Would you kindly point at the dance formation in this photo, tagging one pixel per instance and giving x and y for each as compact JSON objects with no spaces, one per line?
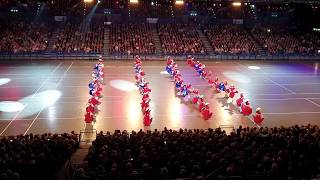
{"x":186,"y":91}
{"x":144,"y":91}
{"x":223,"y":87}
{"x":95,"y":92}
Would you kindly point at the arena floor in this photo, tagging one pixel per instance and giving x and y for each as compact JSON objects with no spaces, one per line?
{"x":50,"y":96}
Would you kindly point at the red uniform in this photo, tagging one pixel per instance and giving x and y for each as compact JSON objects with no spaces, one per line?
{"x":195,"y":100}
{"x":137,"y":60}
{"x":202,"y":104}
{"x":97,"y":94}
{"x":258,"y":117}
{"x":145,"y":97}
{"x":246,"y":109}
{"x":147,"y":118}
{"x":232,"y":92}
{"x":90,"y":108}
{"x":204,"y":74}
{"x":94,"y":101}
{"x":146,"y":89}
{"x":169,"y":61}
{"x":206,"y":114}
{"x":88,"y":117}
{"x":190,"y":62}
{"x":239,"y":101}
{"x":144,"y":106}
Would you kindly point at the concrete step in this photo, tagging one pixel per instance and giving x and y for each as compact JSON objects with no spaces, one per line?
{"x":156,"y":39}
{"x":52,"y":40}
{"x":256,"y":42}
{"x":205,"y":41}
{"x":106,"y":41}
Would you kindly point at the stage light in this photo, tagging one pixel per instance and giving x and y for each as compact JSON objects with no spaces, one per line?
{"x":254,"y":67}
{"x":10,"y":106}
{"x":4,"y":81}
{"x":38,"y":102}
{"x":152,"y":3}
{"x":134,"y":1}
{"x":123,"y":85}
{"x":236,"y":4}
{"x":30,"y":105}
{"x":179,"y":2}
{"x":99,"y":1}
{"x":87,"y":1}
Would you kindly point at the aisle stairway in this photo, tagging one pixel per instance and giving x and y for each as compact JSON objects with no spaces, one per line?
{"x":52,"y":40}
{"x":157,"y":41}
{"x":106,"y":41}
{"x":205,"y":41}
{"x":259,"y":46}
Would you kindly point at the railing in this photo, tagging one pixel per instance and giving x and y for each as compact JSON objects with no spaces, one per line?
{"x":94,"y":56}
{"x":87,"y":136}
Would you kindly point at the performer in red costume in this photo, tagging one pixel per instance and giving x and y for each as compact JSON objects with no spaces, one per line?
{"x":145,"y":105}
{"x":195,"y":98}
{"x":202,"y":104}
{"x":169,"y":61}
{"x":147,"y":118}
{"x":204,"y":74}
{"x":88,"y":117}
{"x":90,"y":108}
{"x":146,"y":89}
{"x":94,"y":101}
{"x":137,"y":60}
{"x":239,"y":101}
{"x":258,"y":117}
{"x":206,"y":113}
{"x":232,"y":92}
{"x":246,"y":109}
{"x":190,"y":60}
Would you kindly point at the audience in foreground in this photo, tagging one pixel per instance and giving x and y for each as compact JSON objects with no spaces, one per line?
{"x":33,"y":157}
{"x":259,"y":153}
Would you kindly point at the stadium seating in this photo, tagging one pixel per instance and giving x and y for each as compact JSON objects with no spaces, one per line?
{"x":131,"y":39}
{"x":230,"y":39}
{"x":180,"y":39}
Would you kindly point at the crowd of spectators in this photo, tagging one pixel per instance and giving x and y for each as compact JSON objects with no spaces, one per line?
{"x":230,"y":39}
{"x":280,"y":40}
{"x":260,"y":153}
{"x":276,"y":40}
{"x":74,"y":39}
{"x":310,"y":42}
{"x":34,"y":156}
{"x":131,"y":39}
{"x":180,"y":39}
{"x":21,"y":37}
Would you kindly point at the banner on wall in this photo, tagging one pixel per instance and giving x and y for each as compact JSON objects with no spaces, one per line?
{"x":60,"y":18}
{"x":152,"y":20}
{"x":237,"y":21}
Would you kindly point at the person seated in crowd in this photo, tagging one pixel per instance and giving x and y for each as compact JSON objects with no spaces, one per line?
{"x":180,"y":39}
{"x":131,"y":39}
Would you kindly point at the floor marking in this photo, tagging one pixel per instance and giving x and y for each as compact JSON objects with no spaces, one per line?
{"x":56,"y":68}
{"x":314,"y":103}
{"x":291,"y":113}
{"x":283,"y":87}
{"x":65,"y":72}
